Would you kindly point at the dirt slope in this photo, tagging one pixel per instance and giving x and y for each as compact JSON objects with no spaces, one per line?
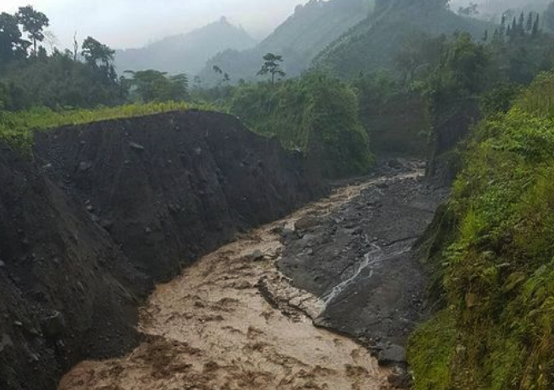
{"x":105,"y":210}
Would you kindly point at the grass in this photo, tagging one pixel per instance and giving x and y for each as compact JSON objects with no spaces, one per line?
{"x":432,"y":365}
{"x":16,"y":128}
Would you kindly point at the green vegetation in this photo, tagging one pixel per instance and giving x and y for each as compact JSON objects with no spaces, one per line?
{"x":431,"y":370}
{"x":31,"y":78}
{"x":17,"y":128}
{"x":498,"y":266}
{"x":82,"y":78}
{"x":150,"y":86}
{"x":397,"y":120}
{"x":316,"y":114}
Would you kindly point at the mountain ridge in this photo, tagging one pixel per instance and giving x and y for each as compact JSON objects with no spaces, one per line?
{"x":298,"y":39}
{"x":185,"y":53}
{"x":363,"y":48}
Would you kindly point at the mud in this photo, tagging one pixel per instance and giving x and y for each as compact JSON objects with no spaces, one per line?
{"x":233,"y":321}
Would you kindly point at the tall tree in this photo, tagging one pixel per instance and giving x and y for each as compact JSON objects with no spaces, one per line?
{"x":10,"y":38}
{"x":521,"y":24}
{"x":529,"y":25}
{"x":272,"y":66}
{"x":95,"y":52}
{"x":536,"y":25}
{"x":34,"y":23}
{"x":549,"y":16}
{"x":502,"y":30}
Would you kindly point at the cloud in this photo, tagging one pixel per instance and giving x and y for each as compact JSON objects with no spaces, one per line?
{"x":129,"y":23}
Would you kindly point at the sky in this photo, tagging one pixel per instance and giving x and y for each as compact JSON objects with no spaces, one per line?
{"x":133,"y":23}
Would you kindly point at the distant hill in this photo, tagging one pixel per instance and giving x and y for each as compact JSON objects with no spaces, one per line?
{"x":375,"y":42}
{"x":299,"y":39}
{"x":185,"y":53}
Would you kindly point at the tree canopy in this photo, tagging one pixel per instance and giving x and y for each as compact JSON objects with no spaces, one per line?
{"x":272,"y":66}
{"x":34,"y":22}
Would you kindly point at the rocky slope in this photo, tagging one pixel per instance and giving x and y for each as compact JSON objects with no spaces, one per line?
{"x":360,"y":260}
{"x":105,"y":210}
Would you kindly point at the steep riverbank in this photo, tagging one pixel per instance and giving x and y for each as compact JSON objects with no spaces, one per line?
{"x":104,"y":211}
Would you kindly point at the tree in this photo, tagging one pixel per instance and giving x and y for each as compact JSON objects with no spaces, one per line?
{"x":217,"y":69}
{"x":75,"y":52}
{"x":271,"y":66}
{"x":549,"y":16}
{"x":95,"y":52}
{"x":153,"y":86}
{"x":521,"y":24}
{"x":502,"y":30}
{"x":529,"y":25}
{"x":536,"y":25}
{"x":419,"y":54}
{"x":10,"y":39}
{"x":225,"y":76}
{"x":179,"y":87}
{"x":461,"y":73}
{"x":34,"y":23}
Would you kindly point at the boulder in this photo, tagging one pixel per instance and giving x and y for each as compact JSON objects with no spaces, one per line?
{"x":395,"y":354}
{"x":53,"y":326}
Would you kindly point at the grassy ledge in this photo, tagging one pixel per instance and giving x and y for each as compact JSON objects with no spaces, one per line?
{"x":16,"y":128}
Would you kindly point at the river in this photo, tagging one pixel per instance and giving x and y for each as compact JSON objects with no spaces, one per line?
{"x":213,"y":328}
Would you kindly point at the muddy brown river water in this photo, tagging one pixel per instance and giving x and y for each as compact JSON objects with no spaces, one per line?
{"x":212,"y":328}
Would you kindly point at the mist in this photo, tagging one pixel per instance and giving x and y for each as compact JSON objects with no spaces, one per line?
{"x":491,"y":7}
{"x":133,"y":23}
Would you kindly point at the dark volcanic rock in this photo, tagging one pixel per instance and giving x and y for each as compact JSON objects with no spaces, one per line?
{"x":85,"y":240}
{"x":359,"y":261}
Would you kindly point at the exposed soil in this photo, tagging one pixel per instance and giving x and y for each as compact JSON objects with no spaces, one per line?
{"x":103,"y":212}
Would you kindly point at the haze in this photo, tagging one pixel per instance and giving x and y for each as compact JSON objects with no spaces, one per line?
{"x":495,"y":5}
{"x":132,"y":23}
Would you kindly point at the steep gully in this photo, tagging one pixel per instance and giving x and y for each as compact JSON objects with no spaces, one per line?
{"x":104,"y":212}
{"x":243,"y":316}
